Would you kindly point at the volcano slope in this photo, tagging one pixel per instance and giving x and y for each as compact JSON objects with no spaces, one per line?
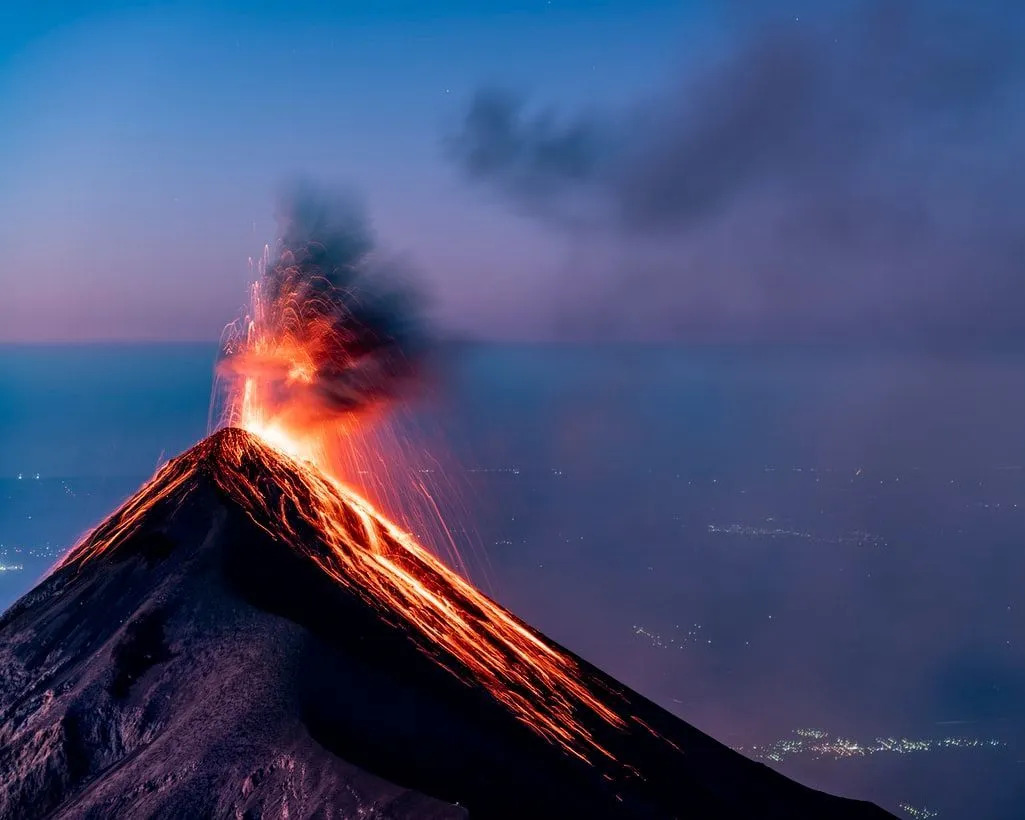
{"x":203,"y":654}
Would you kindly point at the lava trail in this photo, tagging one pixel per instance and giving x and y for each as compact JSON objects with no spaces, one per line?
{"x":374,"y":558}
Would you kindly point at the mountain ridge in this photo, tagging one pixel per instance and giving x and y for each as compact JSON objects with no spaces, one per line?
{"x":187,"y":656}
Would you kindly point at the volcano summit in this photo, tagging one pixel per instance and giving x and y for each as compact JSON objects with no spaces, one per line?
{"x":246,"y":637}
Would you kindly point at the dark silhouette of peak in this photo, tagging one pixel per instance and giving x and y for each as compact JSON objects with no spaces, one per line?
{"x":242,"y":639}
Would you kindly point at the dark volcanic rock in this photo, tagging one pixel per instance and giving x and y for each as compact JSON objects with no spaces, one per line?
{"x":203,"y":668}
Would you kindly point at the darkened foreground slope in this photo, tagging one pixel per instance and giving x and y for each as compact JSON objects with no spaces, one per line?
{"x":196,"y":658}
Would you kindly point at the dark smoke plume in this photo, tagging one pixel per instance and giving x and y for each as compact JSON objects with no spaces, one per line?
{"x":858,"y":168}
{"x":336,"y":329}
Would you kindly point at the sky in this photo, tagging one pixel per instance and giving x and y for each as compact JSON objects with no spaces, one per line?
{"x":627,"y":170}
{"x":144,"y":144}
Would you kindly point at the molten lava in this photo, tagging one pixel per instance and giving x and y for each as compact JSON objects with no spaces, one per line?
{"x":377,"y":560}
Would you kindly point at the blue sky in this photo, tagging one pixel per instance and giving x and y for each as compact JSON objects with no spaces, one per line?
{"x":143,"y":144}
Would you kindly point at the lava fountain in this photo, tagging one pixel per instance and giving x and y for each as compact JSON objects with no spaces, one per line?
{"x":331,"y":338}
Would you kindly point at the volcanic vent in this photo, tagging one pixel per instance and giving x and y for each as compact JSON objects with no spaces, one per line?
{"x":246,"y":637}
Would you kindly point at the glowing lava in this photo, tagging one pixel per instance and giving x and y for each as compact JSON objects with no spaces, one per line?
{"x":363,"y":551}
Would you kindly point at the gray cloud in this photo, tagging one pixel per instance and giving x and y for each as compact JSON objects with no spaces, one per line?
{"x":823,"y":178}
{"x":542,"y":161}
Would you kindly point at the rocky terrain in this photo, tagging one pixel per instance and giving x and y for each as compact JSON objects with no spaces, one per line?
{"x":202,"y":667}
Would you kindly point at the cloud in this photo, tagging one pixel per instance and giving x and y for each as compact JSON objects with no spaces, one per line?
{"x":832,"y":176}
{"x":540,"y":161}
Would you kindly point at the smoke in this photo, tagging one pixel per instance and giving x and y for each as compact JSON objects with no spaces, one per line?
{"x":856,"y":167}
{"x":335,"y":327}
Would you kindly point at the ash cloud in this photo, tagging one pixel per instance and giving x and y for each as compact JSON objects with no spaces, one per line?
{"x":541,"y":161}
{"x":331,"y":302}
{"x":841,"y":172}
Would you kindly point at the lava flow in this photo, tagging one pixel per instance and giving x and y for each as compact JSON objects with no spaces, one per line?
{"x":373,"y":557}
{"x":306,"y":373}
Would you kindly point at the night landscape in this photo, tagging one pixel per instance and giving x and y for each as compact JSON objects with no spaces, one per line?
{"x":535,"y":410}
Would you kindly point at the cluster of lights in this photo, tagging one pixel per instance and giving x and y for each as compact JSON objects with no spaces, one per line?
{"x":678,"y":641}
{"x":817,"y":743}
{"x":857,"y":537}
{"x":916,"y":813}
{"x":46,"y":551}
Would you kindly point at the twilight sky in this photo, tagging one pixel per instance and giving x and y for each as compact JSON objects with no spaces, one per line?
{"x":634,"y":169}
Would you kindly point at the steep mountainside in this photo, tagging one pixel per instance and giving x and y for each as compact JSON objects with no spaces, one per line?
{"x":205,"y":654}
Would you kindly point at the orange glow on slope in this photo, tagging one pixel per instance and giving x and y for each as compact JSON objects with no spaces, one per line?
{"x":374,"y":558}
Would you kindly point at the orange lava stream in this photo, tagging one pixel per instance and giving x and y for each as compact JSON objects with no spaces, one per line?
{"x":387,"y":567}
{"x":374,"y":558}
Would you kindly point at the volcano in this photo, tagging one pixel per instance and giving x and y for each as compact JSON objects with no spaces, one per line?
{"x":246,"y":638}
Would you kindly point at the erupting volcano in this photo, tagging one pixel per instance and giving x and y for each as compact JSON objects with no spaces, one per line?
{"x":250,"y":636}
